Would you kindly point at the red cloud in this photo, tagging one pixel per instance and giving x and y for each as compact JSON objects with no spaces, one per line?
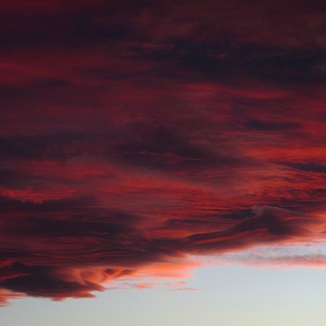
{"x":133,"y":137}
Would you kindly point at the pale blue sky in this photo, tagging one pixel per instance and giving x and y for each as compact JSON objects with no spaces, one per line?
{"x":229,"y":296}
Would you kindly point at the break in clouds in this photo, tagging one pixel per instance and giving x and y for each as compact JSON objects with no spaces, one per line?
{"x":136,"y":135}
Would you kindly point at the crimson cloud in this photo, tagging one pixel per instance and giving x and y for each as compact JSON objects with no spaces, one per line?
{"x":135,"y":134}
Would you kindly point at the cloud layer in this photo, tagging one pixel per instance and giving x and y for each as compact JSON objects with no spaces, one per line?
{"x":136,"y":134}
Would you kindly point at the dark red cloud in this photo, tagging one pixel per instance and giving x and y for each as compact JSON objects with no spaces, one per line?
{"x":135,"y":134}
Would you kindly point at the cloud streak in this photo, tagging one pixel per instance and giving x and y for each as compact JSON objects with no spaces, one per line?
{"x":134,"y":137}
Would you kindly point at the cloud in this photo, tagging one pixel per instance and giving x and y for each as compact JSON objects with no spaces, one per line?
{"x":269,"y":225}
{"x":135,"y":137}
{"x":308,"y":166}
{"x":6,"y":295}
{"x":300,"y":255}
{"x":66,"y":256}
{"x":269,"y":126}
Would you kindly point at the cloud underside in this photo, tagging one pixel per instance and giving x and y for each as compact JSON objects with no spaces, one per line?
{"x":136,"y":136}
{"x":73,"y":256}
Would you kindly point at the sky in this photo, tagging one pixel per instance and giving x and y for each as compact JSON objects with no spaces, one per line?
{"x":162,"y":157}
